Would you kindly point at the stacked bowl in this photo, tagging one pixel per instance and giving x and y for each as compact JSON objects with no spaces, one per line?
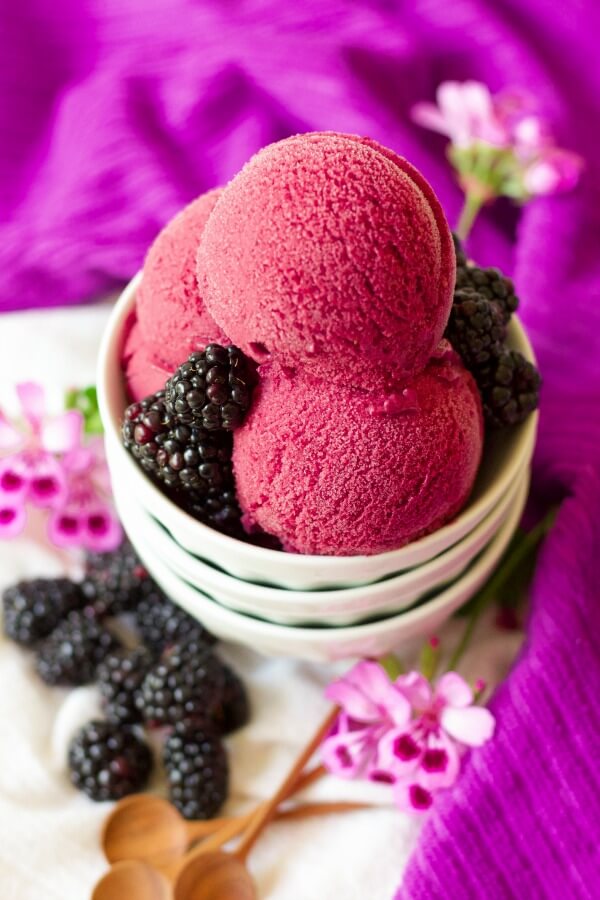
{"x":314,"y":607}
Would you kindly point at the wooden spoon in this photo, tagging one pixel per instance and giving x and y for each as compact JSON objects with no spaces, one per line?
{"x":217,"y":875}
{"x":151,"y":830}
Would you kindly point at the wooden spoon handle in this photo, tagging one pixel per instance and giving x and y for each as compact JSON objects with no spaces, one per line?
{"x":304,"y":810}
{"x":267,"y":810}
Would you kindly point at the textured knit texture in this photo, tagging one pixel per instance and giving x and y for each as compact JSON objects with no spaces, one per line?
{"x":131,"y":109}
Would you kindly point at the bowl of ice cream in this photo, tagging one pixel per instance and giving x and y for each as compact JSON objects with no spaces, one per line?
{"x":329,"y":424}
{"x":506,"y":455}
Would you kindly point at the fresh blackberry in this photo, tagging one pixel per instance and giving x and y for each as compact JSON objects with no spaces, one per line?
{"x":197,"y":771}
{"x":161,"y":623}
{"x":476,"y":329}
{"x":218,"y":507}
{"x":234,"y":710}
{"x":116,"y":582}
{"x":211,"y":389}
{"x":120,"y":676}
{"x":71,"y":654}
{"x":32,"y":609}
{"x":489,"y":284}
{"x":186,"y":685}
{"x":183,"y":457}
{"x":461,"y":258}
{"x":108,"y":761}
{"x":509,"y":388}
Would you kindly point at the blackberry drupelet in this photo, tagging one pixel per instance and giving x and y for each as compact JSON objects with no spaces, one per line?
{"x":116,"y":582}
{"x":108,"y":761}
{"x":120,"y":676}
{"x":71,"y":654}
{"x":509,"y":388}
{"x":183,"y":457}
{"x":32,"y":609}
{"x":490,"y":284}
{"x":161,"y":623}
{"x":212,"y":389}
{"x":187,"y":685}
{"x":234,"y":710}
{"x":475,"y":329}
{"x":197,"y":771}
{"x":218,"y":507}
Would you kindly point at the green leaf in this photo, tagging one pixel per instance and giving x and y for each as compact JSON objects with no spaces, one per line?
{"x":85,"y":401}
{"x":391,"y":665}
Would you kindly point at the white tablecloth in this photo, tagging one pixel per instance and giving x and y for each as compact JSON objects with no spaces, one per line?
{"x":49,"y":833}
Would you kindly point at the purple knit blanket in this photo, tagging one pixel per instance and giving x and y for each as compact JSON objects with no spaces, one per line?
{"x":114,"y":113}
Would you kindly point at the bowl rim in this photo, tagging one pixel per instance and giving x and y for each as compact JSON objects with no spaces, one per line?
{"x":109,"y":373}
{"x":316,"y":598}
{"x":324,"y":635}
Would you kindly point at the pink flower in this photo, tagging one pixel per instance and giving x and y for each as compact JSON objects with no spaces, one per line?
{"x":371,"y":706}
{"x":31,"y":472}
{"x":465,"y":113}
{"x":85,"y":517}
{"x":553,"y":171}
{"x":423,"y":756}
{"x":49,"y":467}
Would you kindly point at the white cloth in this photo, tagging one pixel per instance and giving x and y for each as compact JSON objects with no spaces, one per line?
{"x":49,"y":833}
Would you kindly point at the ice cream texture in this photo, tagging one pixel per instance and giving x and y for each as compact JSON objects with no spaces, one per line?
{"x":335,"y":470}
{"x":145,"y":373}
{"x":172,"y":316}
{"x":326,"y":247}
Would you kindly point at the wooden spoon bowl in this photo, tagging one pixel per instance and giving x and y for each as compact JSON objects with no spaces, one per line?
{"x":215,"y":876}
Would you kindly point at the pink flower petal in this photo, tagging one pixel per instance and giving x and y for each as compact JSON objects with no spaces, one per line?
{"x":439,"y":765}
{"x":347,"y":754}
{"x":415,"y":688}
{"x":412,"y":798}
{"x":33,"y":401}
{"x":14,"y":480}
{"x":472,"y":726}
{"x":47,"y":486}
{"x":375,"y":683}
{"x":400,"y":752}
{"x":427,"y":115}
{"x":352,"y":700}
{"x":102,"y":531}
{"x":12,"y":519}
{"x":66,"y":528}
{"x":62,"y":433}
{"x":553,"y":172}
{"x":454,"y":690}
{"x":10,"y":437}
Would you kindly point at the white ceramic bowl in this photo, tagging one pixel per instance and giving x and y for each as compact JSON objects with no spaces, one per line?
{"x":506,"y":454}
{"x":328,"y":644}
{"x":326,"y":607}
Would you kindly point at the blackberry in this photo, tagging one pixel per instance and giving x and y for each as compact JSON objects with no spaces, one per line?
{"x":32,"y":609}
{"x":161,"y":623}
{"x":197,"y":771}
{"x":476,"y":329}
{"x":218,"y":507}
{"x":71,"y":654}
{"x":489,"y":284}
{"x":187,"y":685}
{"x":234,"y":710}
{"x":509,"y":388}
{"x":211,"y":389}
{"x":116,"y":582}
{"x":120,"y":676}
{"x":183,"y":457}
{"x":108,"y":761}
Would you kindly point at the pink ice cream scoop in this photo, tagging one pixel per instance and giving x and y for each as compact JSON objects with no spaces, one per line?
{"x":172,"y":316}
{"x":338,"y":471}
{"x":145,"y":372}
{"x":327,"y":247}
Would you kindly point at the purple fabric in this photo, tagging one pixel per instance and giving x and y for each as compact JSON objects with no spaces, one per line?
{"x":114,"y":113}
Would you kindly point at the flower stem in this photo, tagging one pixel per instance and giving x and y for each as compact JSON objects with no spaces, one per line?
{"x":471,"y":206}
{"x":523,"y":549}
